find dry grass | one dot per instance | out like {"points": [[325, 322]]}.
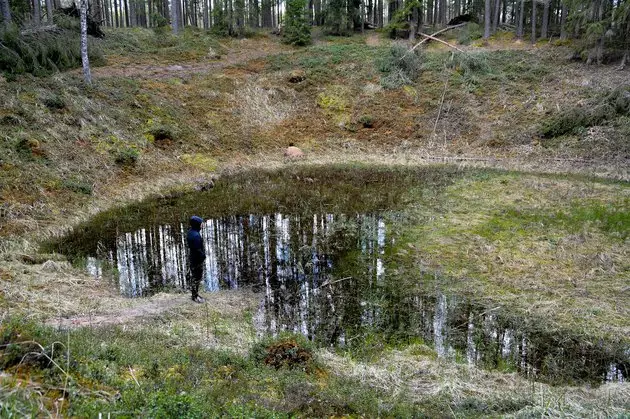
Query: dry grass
{"points": [[260, 107], [421, 377]]}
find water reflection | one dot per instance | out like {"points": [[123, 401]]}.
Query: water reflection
{"points": [[329, 277], [244, 250]]}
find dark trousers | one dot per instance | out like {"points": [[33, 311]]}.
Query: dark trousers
{"points": [[196, 275]]}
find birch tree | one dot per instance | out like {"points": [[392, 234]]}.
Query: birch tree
{"points": [[87, 76]]}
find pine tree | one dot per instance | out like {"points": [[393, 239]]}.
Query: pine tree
{"points": [[297, 30]]}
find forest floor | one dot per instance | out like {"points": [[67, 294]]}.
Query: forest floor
{"points": [[166, 114]]}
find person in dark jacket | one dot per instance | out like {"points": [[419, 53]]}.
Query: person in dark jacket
{"points": [[197, 255]]}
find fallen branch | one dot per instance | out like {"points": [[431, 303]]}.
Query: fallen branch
{"points": [[439, 40], [440, 110], [432, 36]]}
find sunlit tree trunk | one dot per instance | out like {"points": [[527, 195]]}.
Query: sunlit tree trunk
{"points": [[87, 76]]}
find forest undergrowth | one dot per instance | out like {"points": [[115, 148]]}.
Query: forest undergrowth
{"points": [[166, 113]]}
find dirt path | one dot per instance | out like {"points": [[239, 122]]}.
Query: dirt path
{"points": [[246, 50], [144, 308]]}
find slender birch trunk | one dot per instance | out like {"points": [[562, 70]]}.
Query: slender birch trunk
{"points": [[87, 76]]}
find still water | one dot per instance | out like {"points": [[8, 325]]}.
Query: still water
{"points": [[335, 278]]}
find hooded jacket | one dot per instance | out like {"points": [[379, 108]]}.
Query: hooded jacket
{"points": [[195, 243]]}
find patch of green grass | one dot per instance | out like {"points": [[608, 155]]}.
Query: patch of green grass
{"points": [[610, 218]]}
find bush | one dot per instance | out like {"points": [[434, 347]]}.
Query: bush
{"points": [[41, 53], [617, 103], [287, 351], [127, 157], [399, 67], [468, 33], [297, 30], [470, 66]]}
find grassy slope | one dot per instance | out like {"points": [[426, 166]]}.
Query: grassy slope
{"points": [[60, 141]]}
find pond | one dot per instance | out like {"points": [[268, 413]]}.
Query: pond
{"points": [[323, 248]]}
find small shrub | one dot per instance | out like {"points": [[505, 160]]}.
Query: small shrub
{"points": [[288, 351], [399, 67], [54, 102], [297, 30], [472, 31], [78, 186], [470, 66], [367, 121], [127, 157], [163, 133], [41, 53], [617, 103]]}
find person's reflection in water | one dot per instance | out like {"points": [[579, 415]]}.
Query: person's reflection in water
{"points": [[197, 255]]}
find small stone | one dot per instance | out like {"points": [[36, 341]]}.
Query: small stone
{"points": [[212, 54], [293, 152], [297, 76]]}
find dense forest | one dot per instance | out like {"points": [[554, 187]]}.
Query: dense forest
{"points": [[602, 26]]}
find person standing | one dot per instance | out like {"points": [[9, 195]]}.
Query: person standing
{"points": [[197, 255]]}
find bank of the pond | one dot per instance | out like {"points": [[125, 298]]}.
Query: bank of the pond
{"points": [[387, 234]]}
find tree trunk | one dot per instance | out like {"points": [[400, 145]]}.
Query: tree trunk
{"points": [[115, 18], [545, 20], [563, 22], [37, 13], [126, 6], [413, 24], [87, 76], [430, 12], [486, 18], [6, 12], [175, 16], [521, 20], [534, 22], [495, 17], [206, 15], [132, 13], [49, 11]]}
